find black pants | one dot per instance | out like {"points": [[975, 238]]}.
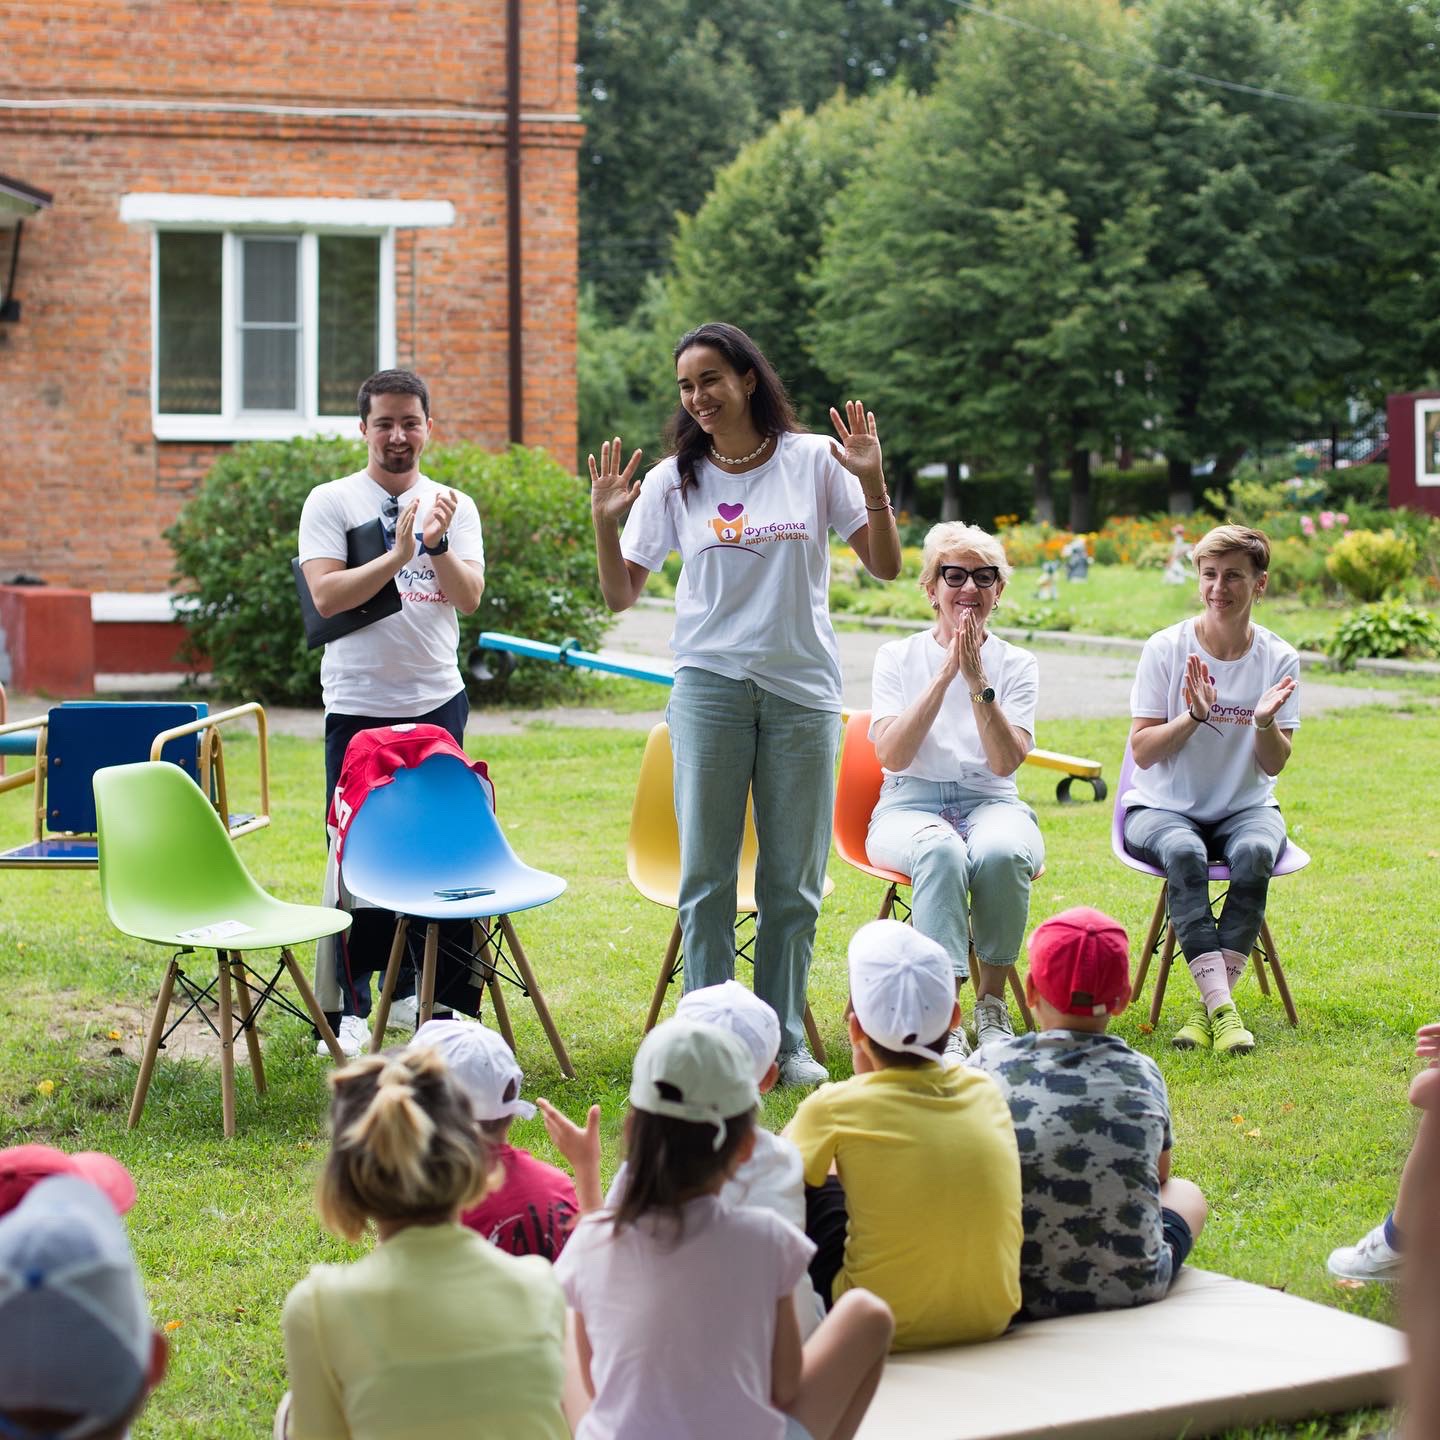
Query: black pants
{"points": [[366, 948], [826, 1218]]}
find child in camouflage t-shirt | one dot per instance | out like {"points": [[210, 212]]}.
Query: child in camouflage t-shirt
{"points": [[1105, 1225]]}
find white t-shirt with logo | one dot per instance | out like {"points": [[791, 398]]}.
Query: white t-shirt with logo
{"points": [[405, 664], [952, 750], [1215, 773], [752, 602]]}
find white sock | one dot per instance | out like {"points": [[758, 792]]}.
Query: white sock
{"points": [[1235, 964], [1210, 975]]}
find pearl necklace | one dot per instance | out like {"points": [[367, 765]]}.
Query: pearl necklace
{"points": [[744, 459]]}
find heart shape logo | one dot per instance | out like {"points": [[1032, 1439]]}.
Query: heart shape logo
{"points": [[731, 512]]}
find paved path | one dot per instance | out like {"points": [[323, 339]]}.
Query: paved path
{"points": [[1084, 682]]}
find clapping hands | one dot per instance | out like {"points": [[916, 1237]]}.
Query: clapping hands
{"points": [[1198, 687]]}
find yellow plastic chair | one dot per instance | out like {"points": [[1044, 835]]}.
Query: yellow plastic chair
{"points": [[652, 860]]}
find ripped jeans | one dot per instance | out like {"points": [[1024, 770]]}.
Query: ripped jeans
{"points": [[970, 871]]}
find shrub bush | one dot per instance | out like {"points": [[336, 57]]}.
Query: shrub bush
{"points": [[1387, 630], [234, 540], [1368, 562]]}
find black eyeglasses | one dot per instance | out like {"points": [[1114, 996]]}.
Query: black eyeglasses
{"points": [[984, 576], [389, 515]]}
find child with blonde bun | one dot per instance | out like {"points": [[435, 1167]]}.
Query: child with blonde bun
{"points": [[684, 1305], [435, 1332]]}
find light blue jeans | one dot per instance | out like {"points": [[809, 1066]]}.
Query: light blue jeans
{"points": [[970, 858], [729, 737]]}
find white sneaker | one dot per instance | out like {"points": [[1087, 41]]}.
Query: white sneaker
{"points": [[404, 1013], [800, 1067], [992, 1020], [957, 1046], [1371, 1259], [353, 1035]]}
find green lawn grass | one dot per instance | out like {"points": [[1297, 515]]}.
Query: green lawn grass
{"points": [[1298, 1146]]}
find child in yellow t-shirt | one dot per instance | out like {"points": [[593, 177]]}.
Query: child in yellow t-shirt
{"points": [[911, 1169]]}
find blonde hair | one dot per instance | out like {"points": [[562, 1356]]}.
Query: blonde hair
{"points": [[404, 1144], [951, 536], [1224, 538]]}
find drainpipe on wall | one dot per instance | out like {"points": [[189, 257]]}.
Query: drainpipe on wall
{"points": [[515, 307]]}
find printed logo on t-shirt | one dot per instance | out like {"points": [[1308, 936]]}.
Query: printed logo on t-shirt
{"points": [[1230, 715], [420, 573], [732, 528]]}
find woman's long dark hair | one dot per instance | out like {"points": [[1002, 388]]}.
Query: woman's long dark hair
{"points": [[770, 406], [668, 1161]]}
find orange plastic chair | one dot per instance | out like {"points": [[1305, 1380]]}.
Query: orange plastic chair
{"points": [[652, 860], [856, 793]]}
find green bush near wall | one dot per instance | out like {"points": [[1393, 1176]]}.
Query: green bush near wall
{"points": [[234, 541]]}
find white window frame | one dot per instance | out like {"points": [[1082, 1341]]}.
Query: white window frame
{"points": [[1424, 475], [236, 217]]}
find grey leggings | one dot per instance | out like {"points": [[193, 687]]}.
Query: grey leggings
{"points": [[1249, 842]]}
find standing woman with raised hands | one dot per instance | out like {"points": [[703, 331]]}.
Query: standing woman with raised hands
{"points": [[1216, 703], [748, 499]]}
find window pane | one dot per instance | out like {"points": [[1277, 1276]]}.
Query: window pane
{"points": [[189, 330], [349, 318], [271, 270], [269, 373]]}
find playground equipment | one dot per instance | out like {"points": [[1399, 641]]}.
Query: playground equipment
{"points": [[496, 654], [68, 744]]}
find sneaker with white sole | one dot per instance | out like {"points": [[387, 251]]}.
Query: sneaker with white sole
{"points": [[354, 1037], [1370, 1259], [957, 1046], [992, 1020], [1194, 1034], [404, 1013], [800, 1067]]}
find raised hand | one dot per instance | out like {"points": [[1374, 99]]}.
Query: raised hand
{"points": [[580, 1148], [859, 448], [1268, 705], [970, 637], [613, 490], [1198, 687], [437, 522], [1427, 1042]]}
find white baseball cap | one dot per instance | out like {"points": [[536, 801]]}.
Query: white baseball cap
{"points": [[692, 1071], [902, 986], [72, 1309], [481, 1063], [742, 1012]]}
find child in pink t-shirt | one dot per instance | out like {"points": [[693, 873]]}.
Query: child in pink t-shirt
{"points": [[534, 1207], [675, 1271]]}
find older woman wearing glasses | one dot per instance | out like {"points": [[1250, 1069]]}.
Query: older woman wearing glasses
{"points": [[952, 719]]}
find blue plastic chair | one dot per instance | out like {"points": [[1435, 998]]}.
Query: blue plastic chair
{"points": [[458, 866], [1291, 859]]}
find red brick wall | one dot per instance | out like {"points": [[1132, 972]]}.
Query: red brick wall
{"points": [[94, 487]]}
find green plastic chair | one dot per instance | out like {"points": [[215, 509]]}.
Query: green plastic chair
{"points": [[169, 873]]}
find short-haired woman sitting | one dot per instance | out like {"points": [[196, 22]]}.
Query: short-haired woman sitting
{"points": [[1215, 704], [952, 720]]}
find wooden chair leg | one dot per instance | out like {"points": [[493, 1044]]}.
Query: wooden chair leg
{"points": [[537, 996], [1162, 976], [1257, 959], [1018, 990], [888, 903], [427, 972], [1152, 939], [152, 1044], [381, 1017], [667, 974], [312, 1007], [497, 991], [817, 1045], [248, 1018], [1279, 972], [227, 1047]]}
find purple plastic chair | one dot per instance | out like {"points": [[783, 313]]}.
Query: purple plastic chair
{"points": [[1292, 858]]}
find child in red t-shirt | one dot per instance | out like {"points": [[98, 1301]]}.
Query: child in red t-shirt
{"points": [[533, 1207]]}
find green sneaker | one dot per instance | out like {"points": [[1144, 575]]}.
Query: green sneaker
{"points": [[1228, 1032], [1194, 1034]]}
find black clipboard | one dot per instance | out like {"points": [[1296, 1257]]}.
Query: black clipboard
{"points": [[362, 544]]}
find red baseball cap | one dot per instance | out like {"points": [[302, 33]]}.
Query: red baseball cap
{"points": [[1080, 961], [22, 1166]]}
